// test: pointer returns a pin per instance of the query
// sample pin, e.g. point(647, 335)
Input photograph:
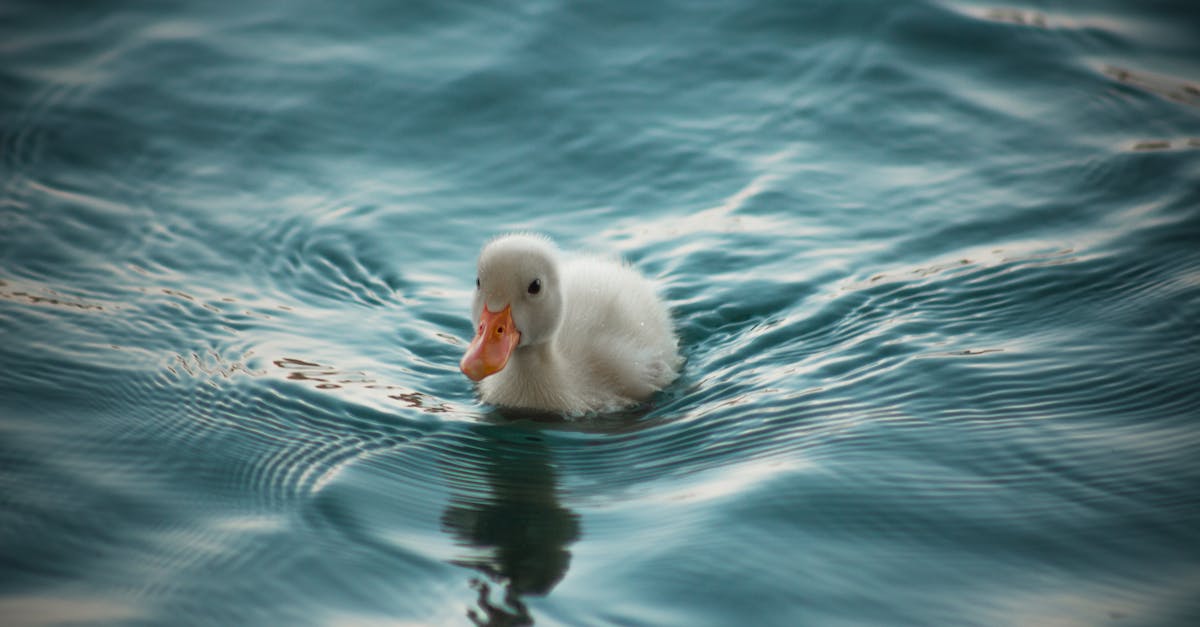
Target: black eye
point(536, 286)
point(476, 282)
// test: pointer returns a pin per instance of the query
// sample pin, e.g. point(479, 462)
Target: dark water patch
point(1171, 88)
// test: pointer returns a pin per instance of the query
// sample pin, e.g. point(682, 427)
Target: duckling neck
point(540, 362)
point(540, 369)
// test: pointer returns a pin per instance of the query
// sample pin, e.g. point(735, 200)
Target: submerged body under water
point(933, 265)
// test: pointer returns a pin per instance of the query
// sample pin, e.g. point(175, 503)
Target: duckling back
point(617, 329)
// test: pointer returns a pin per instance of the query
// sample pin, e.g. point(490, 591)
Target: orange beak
point(495, 339)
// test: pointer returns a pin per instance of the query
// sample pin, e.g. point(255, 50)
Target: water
point(934, 267)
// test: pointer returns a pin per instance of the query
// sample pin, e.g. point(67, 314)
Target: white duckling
point(565, 333)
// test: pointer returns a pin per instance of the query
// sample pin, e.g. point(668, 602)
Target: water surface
point(934, 267)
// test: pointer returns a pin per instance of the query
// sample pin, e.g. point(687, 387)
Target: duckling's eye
point(536, 286)
point(476, 282)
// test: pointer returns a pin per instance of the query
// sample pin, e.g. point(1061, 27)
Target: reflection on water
point(513, 527)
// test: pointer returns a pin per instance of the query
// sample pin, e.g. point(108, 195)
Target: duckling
point(565, 333)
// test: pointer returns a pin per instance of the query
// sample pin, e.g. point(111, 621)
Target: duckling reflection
point(507, 513)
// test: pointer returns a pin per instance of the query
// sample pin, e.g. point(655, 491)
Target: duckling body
point(565, 333)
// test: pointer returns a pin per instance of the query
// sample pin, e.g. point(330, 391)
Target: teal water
point(935, 268)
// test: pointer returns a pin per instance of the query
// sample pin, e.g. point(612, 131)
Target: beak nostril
point(499, 330)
